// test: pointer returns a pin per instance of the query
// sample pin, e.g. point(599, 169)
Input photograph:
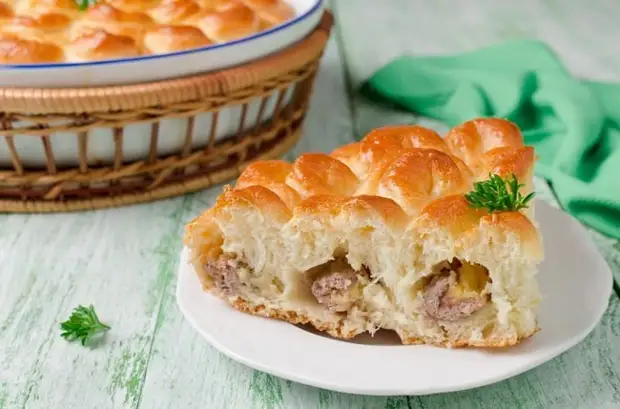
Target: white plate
point(575, 280)
point(170, 65)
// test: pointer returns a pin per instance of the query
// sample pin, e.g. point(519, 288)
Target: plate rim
point(556, 350)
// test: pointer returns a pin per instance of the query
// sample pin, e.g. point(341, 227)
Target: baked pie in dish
point(53, 31)
point(431, 237)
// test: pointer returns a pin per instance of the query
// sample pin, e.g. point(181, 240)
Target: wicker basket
point(283, 82)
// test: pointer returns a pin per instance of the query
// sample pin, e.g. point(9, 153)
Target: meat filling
point(337, 287)
point(224, 275)
point(456, 292)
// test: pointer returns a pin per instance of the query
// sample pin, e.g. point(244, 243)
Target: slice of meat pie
point(404, 230)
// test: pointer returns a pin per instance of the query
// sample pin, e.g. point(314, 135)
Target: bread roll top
point(408, 172)
point(52, 31)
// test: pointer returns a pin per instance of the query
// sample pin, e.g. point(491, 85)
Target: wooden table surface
point(124, 260)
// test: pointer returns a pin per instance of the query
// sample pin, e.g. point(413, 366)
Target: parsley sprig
point(84, 4)
point(83, 324)
point(497, 195)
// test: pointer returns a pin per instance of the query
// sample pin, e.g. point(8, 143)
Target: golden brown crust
point(409, 165)
point(437, 175)
point(211, 5)
point(320, 174)
point(451, 213)
point(104, 17)
point(264, 172)
point(390, 212)
point(272, 11)
point(347, 152)
point(271, 174)
point(385, 143)
point(258, 197)
point(100, 45)
point(326, 204)
point(44, 28)
point(402, 136)
point(229, 23)
point(472, 139)
point(47, 21)
point(505, 161)
point(165, 39)
point(132, 6)
point(36, 7)
point(104, 13)
point(154, 26)
point(203, 227)
point(337, 330)
point(14, 50)
point(464, 343)
point(5, 11)
point(175, 11)
point(333, 328)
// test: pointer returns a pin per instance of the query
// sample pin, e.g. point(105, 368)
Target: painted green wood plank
point(52, 263)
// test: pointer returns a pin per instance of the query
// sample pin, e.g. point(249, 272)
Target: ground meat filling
point(441, 300)
point(224, 275)
point(337, 286)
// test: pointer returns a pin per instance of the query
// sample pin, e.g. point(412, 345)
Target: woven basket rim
point(169, 91)
point(161, 192)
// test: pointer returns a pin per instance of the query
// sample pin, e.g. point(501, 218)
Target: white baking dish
point(171, 65)
point(136, 139)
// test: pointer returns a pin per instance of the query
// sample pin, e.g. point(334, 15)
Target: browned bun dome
point(14, 50)
point(166, 39)
point(272, 11)
point(36, 8)
point(107, 14)
point(44, 22)
point(132, 6)
point(101, 45)
point(229, 23)
point(114, 21)
point(64, 31)
point(5, 11)
point(174, 11)
point(215, 4)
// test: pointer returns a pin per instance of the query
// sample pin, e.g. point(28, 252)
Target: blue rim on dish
point(272, 30)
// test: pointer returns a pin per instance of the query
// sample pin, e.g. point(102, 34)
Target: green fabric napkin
point(573, 124)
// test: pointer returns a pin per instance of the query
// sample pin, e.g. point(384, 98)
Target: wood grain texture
point(112, 259)
point(124, 261)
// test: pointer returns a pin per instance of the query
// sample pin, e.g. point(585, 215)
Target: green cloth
point(574, 124)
